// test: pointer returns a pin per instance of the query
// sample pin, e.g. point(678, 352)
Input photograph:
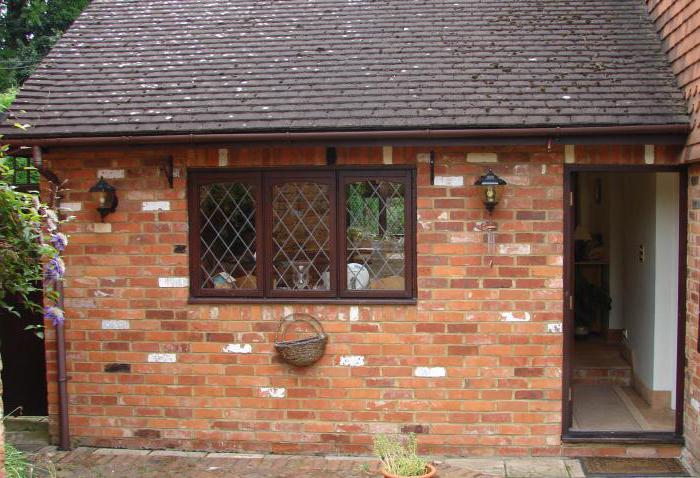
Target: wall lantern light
point(105, 196)
point(492, 187)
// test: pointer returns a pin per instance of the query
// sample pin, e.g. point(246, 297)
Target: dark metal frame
point(265, 178)
point(675, 437)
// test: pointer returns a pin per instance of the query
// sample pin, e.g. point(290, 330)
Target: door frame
point(567, 435)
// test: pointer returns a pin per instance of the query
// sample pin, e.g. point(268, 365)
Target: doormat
point(637, 467)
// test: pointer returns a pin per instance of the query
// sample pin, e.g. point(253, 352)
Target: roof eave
point(640, 134)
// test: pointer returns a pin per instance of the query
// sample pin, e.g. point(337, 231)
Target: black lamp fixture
point(492, 187)
point(105, 196)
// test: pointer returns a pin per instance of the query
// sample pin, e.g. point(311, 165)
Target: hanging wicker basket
point(301, 352)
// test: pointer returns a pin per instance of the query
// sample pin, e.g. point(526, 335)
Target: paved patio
point(104, 462)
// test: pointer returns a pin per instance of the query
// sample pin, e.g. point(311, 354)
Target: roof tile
point(203, 66)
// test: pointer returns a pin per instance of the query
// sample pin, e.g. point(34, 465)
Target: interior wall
point(666, 303)
point(639, 192)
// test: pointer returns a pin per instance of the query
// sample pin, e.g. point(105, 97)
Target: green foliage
point(22, 244)
point(16, 464)
point(28, 30)
point(22, 173)
point(400, 456)
point(6, 98)
point(373, 216)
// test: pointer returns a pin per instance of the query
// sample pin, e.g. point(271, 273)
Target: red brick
point(501, 378)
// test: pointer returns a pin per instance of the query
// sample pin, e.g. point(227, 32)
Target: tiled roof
point(130, 67)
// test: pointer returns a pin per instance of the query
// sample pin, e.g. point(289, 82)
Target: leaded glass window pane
point(301, 236)
point(228, 237)
point(375, 229)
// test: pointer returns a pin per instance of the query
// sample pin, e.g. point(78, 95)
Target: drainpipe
point(62, 379)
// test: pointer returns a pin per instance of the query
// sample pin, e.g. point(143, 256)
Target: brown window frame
point(195, 182)
point(347, 177)
point(265, 179)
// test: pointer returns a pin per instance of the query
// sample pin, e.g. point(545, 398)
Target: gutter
point(62, 378)
point(358, 136)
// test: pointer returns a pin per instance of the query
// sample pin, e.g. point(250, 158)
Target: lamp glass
point(100, 197)
point(492, 194)
point(492, 187)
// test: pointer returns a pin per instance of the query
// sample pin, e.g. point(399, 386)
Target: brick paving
point(103, 462)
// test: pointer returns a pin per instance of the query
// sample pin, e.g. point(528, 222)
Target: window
point(302, 234)
point(23, 174)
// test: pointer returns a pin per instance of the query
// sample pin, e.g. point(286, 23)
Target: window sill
point(289, 300)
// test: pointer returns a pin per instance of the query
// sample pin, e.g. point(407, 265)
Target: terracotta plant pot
point(429, 474)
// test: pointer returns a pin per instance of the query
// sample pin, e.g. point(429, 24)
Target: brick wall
point(475, 366)
point(677, 22)
point(692, 395)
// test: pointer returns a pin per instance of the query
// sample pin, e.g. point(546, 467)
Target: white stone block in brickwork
point(376, 428)
point(162, 358)
point(115, 324)
point(111, 173)
point(569, 154)
point(430, 372)
point(449, 181)
point(555, 283)
point(516, 316)
point(81, 303)
point(102, 227)
point(461, 237)
point(273, 392)
point(223, 157)
point(649, 155)
point(695, 404)
point(173, 282)
point(387, 155)
point(554, 328)
point(482, 157)
point(354, 313)
point(352, 361)
point(514, 249)
point(71, 206)
point(238, 349)
point(155, 206)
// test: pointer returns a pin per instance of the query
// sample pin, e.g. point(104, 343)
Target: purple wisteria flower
point(59, 241)
point(54, 314)
point(54, 269)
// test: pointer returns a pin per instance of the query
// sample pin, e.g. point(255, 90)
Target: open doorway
point(623, 260)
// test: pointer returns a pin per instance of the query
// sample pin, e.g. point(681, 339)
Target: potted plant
point(399, 457)
point(591, 301)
